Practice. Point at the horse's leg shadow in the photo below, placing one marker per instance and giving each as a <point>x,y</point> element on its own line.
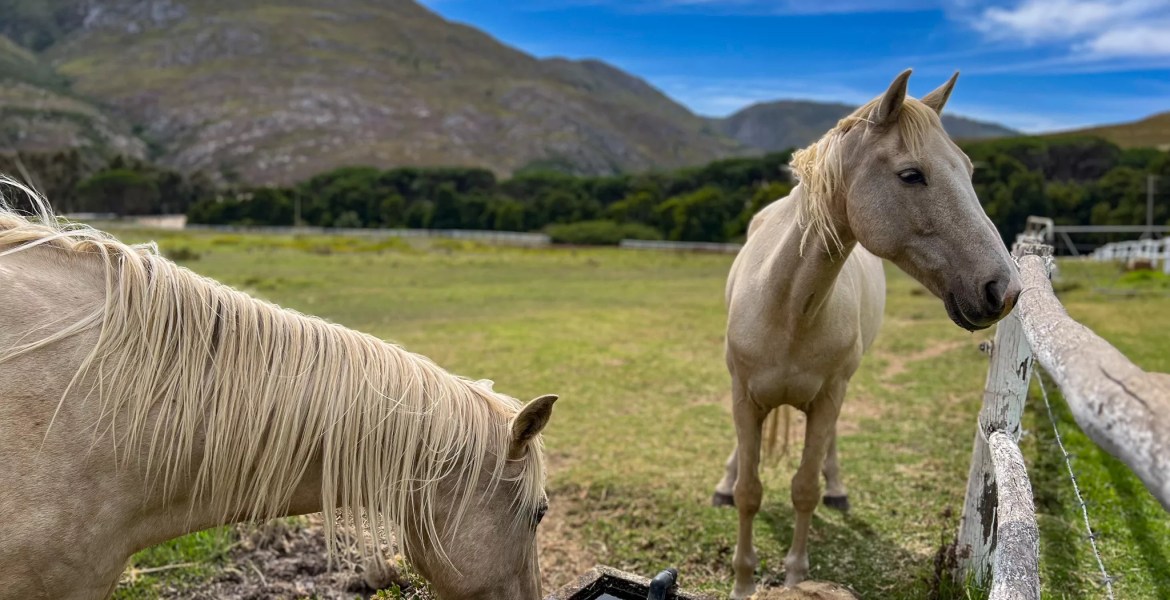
<point>725,491</point>
<point>835,496</point>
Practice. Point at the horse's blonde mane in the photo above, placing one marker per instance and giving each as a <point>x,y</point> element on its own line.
<point>820,167</point>
<point>183,362</point>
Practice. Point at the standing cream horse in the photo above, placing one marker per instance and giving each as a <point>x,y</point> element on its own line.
<point>140,401</point>
<point>805,295</point>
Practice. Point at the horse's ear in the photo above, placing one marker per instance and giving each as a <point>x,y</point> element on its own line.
<point>891,105</point>
<point>531,420</point>
<point>938,98</point>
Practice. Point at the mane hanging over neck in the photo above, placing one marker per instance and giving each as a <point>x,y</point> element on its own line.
<point>183,362</point>
<point>820,167</point>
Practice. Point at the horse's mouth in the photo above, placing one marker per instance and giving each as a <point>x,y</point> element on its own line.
<point>956,314</point>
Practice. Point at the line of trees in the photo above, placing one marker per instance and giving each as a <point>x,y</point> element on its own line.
<point>75,183</point>
<point>711,203</point>
<point>1076,180</point>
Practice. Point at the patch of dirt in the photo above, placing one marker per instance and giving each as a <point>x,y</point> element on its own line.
<point>286,560</point>
<point>563,554</point>
<point>279,561</point>
<point>897,364</point>
<point>809,590</point>
<point>857,407</point>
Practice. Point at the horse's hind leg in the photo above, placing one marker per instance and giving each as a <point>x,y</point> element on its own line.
<point>725,490</point>
<point>822,419</point>
<point>835,495</point>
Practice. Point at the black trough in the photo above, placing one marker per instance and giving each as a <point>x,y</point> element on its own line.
<point>606,583</point>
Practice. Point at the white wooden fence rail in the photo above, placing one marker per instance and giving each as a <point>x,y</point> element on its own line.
<point>1123,409</point>
<point>1016,573</point>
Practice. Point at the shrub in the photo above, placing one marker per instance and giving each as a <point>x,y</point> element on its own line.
<point>180,254</point>
<point>348,220</point>
<point>600,233</point>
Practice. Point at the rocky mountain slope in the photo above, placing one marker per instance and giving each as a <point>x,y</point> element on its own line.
<point>39,114</point>
<point>278,90</point>
<point>795,124</point>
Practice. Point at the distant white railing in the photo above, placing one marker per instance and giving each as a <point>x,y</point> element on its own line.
<point>681,246</point>
<point>512,238</point>
<point>1155,251</point>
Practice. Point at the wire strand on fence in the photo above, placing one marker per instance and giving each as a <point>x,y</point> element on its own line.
<point>1076,488</point>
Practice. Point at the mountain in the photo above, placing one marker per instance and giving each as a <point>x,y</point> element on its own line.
<point>784,124</point>
<point>1150,132</point>
<point>39,114</point>
<point>274,91</point>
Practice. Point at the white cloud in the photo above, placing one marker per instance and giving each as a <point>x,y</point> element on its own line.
<point>767,7</point>
<point>1091,29</point>
<point>717,98</point>
<point>1151,40</point>
<point>842,6</point>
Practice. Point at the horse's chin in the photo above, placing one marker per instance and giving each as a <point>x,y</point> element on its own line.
<point>955,312</point>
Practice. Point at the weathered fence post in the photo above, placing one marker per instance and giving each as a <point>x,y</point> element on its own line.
<point>1003,405</point>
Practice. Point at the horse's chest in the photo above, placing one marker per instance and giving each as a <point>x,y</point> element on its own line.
<point>788,368</point>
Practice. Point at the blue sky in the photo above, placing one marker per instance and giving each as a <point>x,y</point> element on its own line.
<point>1036,65</point>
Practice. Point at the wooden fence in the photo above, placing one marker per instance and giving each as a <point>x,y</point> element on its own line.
<point>1123,409</point>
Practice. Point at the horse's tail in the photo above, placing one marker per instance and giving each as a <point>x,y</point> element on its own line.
<point>773,429</point>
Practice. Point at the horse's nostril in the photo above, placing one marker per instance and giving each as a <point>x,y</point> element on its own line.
<point>992,294</point>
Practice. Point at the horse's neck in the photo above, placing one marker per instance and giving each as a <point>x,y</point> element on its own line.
<point>803,281</point>
<point>183,510</point>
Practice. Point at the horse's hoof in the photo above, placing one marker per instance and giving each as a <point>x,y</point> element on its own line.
<point>721,499</point>
<point>840,503</point>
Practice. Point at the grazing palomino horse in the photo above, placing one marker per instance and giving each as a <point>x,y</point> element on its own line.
<point>806,293</point>
<point>140,401</point>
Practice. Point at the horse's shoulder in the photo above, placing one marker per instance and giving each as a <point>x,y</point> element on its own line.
<point>771,211</point>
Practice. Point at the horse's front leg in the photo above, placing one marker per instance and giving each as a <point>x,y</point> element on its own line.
<point>748,489</point>
<point>822,420</point>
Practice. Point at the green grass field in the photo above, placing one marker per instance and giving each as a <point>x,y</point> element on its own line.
<point>632,341</point>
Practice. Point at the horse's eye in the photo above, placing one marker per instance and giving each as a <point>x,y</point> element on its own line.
<point>540,513</point>
<point>912,177</point>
